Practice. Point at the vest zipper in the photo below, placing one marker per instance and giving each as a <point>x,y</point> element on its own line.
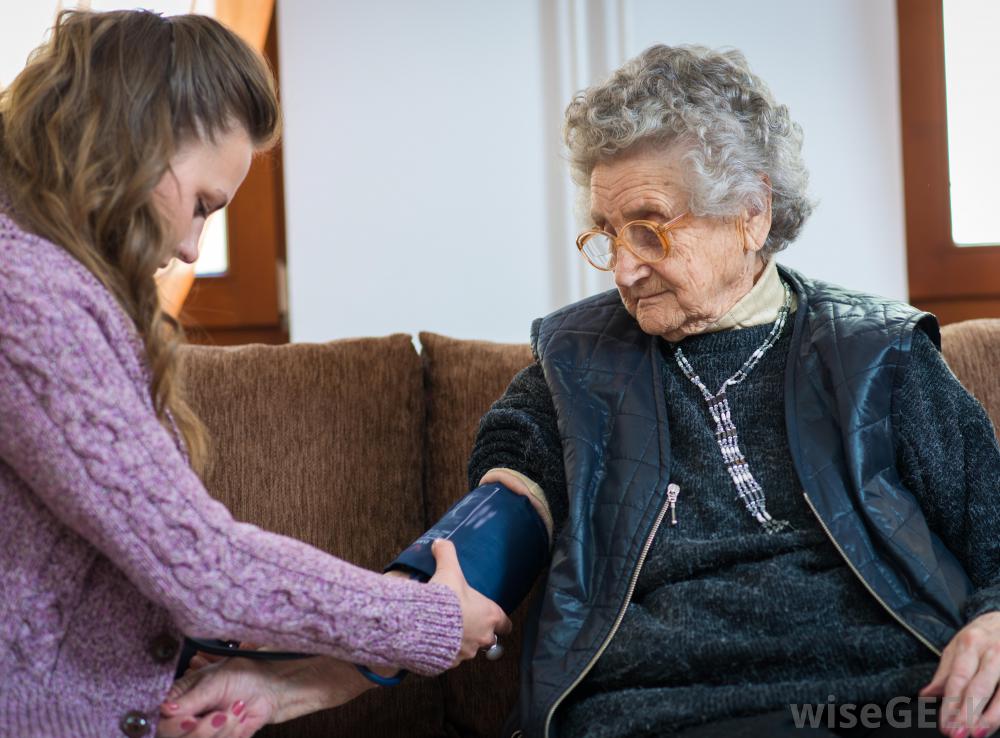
<point>865,583</point>
<point>618,620</point>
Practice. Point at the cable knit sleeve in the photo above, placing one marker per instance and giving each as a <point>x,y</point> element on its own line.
<point>948,458</point>
<point>78,427</point>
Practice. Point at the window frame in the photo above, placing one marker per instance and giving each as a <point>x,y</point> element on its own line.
<point>245,303</point>
<point>955,282</point>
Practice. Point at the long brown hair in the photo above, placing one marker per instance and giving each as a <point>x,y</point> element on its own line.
<point>88,129</point>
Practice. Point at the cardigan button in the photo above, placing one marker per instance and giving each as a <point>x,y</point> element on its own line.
<point>164,648</point>
<point>135,725</point>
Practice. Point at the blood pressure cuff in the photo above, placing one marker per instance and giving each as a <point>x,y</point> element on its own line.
<point>501,543</point>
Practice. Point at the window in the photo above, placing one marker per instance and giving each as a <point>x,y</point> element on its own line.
<point>972,72</point>
<point>949,163</point>
<point>213,253</point>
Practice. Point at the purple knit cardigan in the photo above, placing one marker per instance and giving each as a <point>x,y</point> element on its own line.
<point>110,547</point>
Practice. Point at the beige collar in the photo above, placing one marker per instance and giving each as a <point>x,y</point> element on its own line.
<point>759,306</point>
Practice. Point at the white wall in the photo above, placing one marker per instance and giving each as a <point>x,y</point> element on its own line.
<point>415,167</point>
<point>23,26</point>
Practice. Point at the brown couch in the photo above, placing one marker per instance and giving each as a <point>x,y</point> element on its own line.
<point>356,446</point>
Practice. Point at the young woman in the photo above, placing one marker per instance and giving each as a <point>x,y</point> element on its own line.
<point>122,134</point>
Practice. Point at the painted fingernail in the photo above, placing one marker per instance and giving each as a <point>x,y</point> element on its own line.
<point>188,725</point>
<point>980,732</point>
<point>961,732</point>
<point>172,706</point>
<point>238,707</point>
<point>219,720</point>
<point>244,718</point>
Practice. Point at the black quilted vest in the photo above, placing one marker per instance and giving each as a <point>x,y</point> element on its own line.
<point>847,355</point>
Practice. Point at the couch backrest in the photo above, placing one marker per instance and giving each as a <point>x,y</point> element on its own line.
<point>324,443</point>
<point>972,350</point>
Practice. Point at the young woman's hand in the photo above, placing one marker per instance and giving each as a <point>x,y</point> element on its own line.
<point>482,618</point>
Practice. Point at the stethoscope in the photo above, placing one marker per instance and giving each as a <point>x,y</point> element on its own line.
<point>228,649</point>
<point>231,649</point>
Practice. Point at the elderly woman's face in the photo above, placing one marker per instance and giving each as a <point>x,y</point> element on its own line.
<point>710,265</point>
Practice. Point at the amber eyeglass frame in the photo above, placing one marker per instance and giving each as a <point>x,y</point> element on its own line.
<point>660,229</point>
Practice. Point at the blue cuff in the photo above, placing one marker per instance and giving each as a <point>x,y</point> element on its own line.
<point>501,541</point>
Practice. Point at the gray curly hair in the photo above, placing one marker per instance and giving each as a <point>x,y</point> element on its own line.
<point>711,102</point>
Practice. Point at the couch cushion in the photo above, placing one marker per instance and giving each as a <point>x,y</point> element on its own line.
<point>324,443</point>
<point>462,379</point>
<point>972,350</point>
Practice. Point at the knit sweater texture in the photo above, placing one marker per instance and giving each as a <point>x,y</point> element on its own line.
<point>726,620</point>
<point>110,546</point>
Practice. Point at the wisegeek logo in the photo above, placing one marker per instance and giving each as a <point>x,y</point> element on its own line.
<point>900,712</point>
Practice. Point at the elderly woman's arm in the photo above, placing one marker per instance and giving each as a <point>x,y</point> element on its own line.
<point>518,448</point>
<point>518,445</point>
<point>242,695</point>
<point>948,457</point>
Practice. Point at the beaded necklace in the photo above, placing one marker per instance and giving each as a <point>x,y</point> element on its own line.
<point>749,490</point>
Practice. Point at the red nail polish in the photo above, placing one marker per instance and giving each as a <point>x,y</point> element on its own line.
<point>218,721</point>
<point>188,725</point>
<point>238,707</point>
<point>980,733</point>
<point>244,718</point>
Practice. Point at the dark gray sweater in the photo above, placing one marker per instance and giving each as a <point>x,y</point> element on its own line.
<point>727,620</point>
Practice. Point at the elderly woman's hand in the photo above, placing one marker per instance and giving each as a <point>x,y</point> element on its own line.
<point>231,698</point>
<point>234,698</point>
<point>967,678</point>
<point>482,619</point>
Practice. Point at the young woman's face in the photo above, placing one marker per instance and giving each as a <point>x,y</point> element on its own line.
<point>202,178</point>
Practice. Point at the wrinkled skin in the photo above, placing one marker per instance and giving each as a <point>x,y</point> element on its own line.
<point>712,263</point>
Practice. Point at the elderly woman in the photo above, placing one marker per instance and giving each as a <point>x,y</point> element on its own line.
<point>763,490</point>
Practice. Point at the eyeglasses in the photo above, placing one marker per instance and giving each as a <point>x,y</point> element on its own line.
<point>647,241</point>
